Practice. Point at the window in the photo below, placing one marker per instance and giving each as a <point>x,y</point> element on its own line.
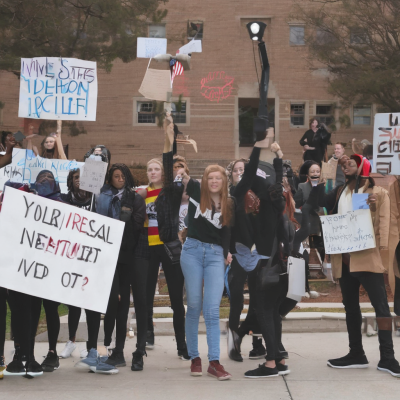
<point>361,115</point>
<point>195,30</point>
<point>157,31</point>
<point>324,37</point>
<point>297,35</point>
<point>179,112</point>
<point>145,113</point>
<point>297,112</point>
<point>324,112</point>
<point>358,36</point>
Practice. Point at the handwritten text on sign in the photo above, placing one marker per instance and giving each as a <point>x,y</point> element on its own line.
<point>387,144</point>
<point>348,233</point>
<point>93,175</point>
<point>56,251</point>
<point>58,88</point>
<point>25,167</point>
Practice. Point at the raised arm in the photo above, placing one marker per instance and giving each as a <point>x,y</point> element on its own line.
<point>7,158</point>
<point>59,144</point>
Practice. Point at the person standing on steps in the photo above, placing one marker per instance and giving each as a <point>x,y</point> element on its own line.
<point>363,267</point>
<point>315,141</point>
<point>158,254</point>
<point>204,256</point>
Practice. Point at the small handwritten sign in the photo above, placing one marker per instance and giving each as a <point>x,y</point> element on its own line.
<point>56,251</point>
<point>348,233</point>
<point>58,88</point>
<point>93,175</point>
<point>150,47</point>
<point>25,167</point>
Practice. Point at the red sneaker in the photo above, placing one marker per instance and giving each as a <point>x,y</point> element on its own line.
<point>216,370</point>
<point>195,368</point>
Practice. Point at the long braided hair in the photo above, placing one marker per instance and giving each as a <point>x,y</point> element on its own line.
<point>129,180</point>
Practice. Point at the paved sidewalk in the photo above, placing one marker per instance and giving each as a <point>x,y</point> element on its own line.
<point>166,377</point>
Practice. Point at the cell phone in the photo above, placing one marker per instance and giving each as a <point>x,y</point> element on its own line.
<point>19,136</point>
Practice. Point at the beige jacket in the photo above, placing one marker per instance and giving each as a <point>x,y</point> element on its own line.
<point>391,184</point>
<point>370,260</point>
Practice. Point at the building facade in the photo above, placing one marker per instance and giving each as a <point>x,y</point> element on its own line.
<point>217,98</point>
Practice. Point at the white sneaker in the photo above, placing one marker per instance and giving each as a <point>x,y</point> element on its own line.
<point>68,349</point>
<point>84,353</point>
<point>371,331</point>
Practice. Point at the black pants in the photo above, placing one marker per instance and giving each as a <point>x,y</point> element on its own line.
<point>117,310</point>
<point>397,297</point>
<point>174,277</point>
<point>374,284</point>
<point>3,315</point>
<point>118,307</point>
<point>25,314</point>
<point>92,322</point>
<point>267,309</point>
<point>52,321</point>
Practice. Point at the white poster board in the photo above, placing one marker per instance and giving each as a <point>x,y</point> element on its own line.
<point>348,233</point>
<point>297,278</point>
<point>387,144</point>
<point>58,88</point>
<point>194,46</point>
<point>150,47</point>
<point>56,251</point>
<point>25,167</point>
<point>93,175</point>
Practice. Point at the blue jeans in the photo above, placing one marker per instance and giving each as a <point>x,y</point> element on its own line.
<point>203,262</point>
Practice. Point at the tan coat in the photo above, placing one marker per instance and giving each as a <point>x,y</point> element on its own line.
<point>369,260</point>
<point>391,184</point>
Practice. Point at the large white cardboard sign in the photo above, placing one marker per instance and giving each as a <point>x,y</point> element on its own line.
<point>387,144</point>
<point>56,251</point>
<point>348,233</point>
<point>150,47</point>
<point>25,167</point>
<point>58,88</point>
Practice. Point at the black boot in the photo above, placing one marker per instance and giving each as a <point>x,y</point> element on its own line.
<point>137,360</point>
<point>234,342</point>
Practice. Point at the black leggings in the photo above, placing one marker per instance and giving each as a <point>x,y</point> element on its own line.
<point>117,310</point>
<point>3,318</point>
<point>25,314</point>
<point>374,285</point>
<point>53,322</point>
<point>267,309</point>
<point>92,322</point>
<point>174,277</point>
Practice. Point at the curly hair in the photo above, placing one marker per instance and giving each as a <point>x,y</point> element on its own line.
<point>70,179</point>
<point>129,180</point>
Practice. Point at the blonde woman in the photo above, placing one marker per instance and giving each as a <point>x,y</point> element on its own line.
<point>203,259</point>
<point>158,254</point>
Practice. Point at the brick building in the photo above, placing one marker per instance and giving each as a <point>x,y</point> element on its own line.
<point>219,92</point>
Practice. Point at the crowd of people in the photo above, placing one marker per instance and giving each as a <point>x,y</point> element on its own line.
<point>238,224</point>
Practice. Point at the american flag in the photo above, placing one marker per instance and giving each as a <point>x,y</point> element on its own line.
<point>177,69</point>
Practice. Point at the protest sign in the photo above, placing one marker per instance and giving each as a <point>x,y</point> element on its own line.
<point>156,84</point>
<point>386,144</point>
<point>25,167</point>
<point>93,175</point>
<point>56,251</point>
<point>194,46</point>
<point>359,201</point>
<point>328,170</point>
<point>150,47</point>
<point>348,233</point>
<point>58,88</point>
